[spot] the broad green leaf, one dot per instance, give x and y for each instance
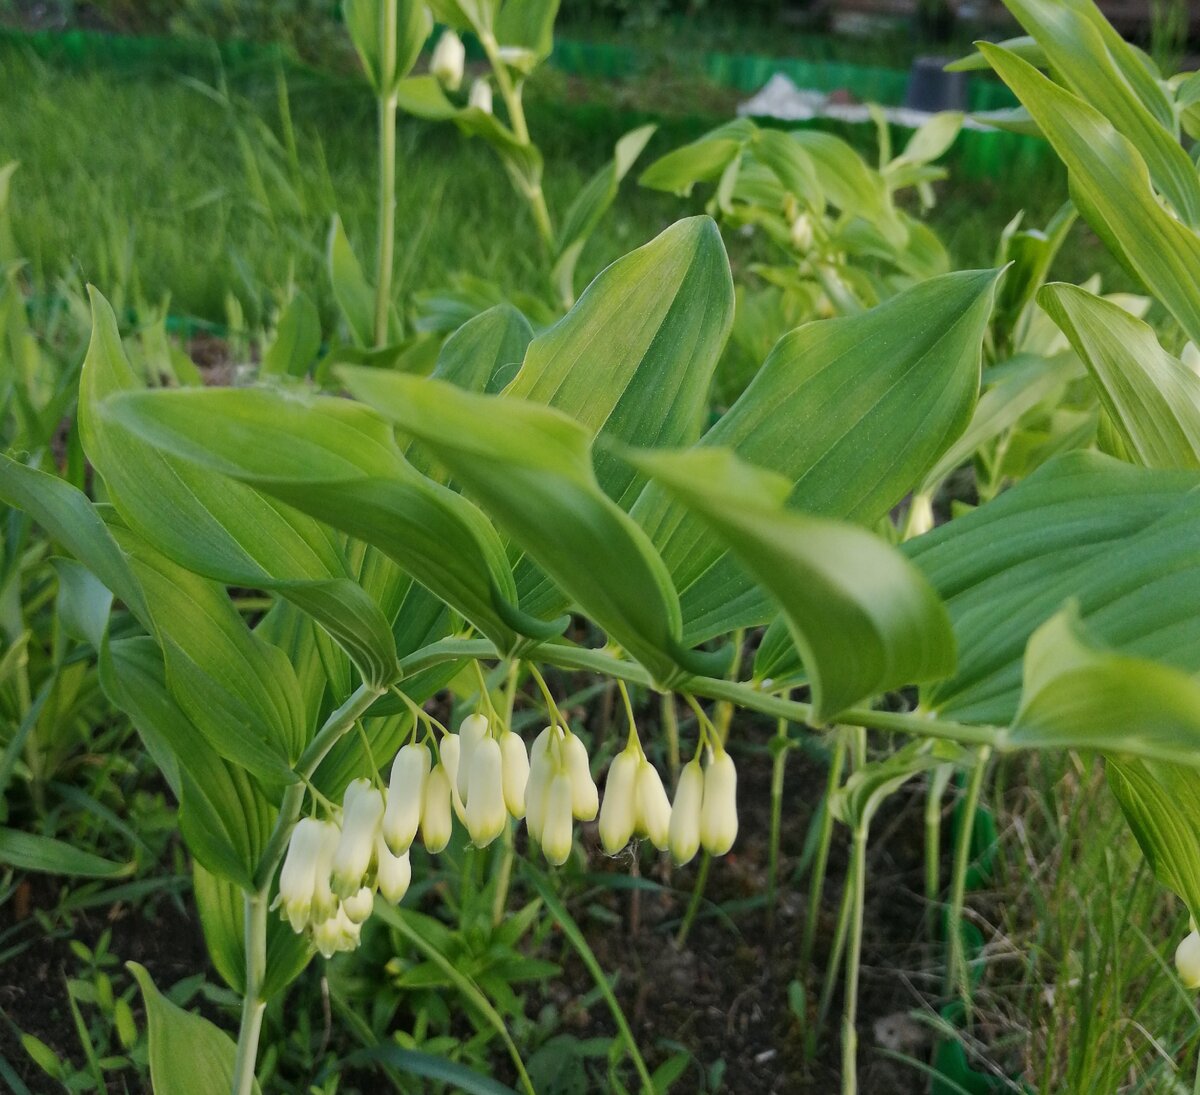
(1120, 540)
(188, 1055)
(1028, 382)
(528, 25)
(339, 462)
(858, 800)
(1161, 802)
(355, 295)
(1111, 184)
(384, 63)
(1076, 696)
(701, 161)
(1030, 253)
(791, 165)
(8, 246)
(83, 603)
(223, 816)
(852, 412)
(849, 183)
(484, 352)
(297, 339)
(590, 205)
(222, 530)
(633, 359)
(1079, 55)
(863, 617)
(931, 140)
(33, 852)
(240, 691)
(530, 467)
(1152, 398)
(423, 97)
(1023, 46)
(476, 15)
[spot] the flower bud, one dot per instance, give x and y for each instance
(393, 873)
(537, 787)
(362, 814)
(585, 799)
(684, 835)
(718, 814)
(436, 822)
(556, 831)
(515, 762)
(358, 906)
(473, 730)
(618, 811)
(802, 233)
(1187, 961)
(449, 57)
(920, 515)
(336, 933)
(297, 879)
(402, 816)
(481, 95)
(486, 813)
(653, 806)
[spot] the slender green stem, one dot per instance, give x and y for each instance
(778, 769)
(956, 967)
(816, 882)
(933, 840)
(741, 694)
(253, 1004)
(694, 903)
(386, 226)
(858, 892)
(529, 185)
(670, 722)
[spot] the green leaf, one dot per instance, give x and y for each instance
(1086, 61)
(339, 463)
(528, 25)
(849, 183)
(866, 789)
(1161, 802)
(355, 295)
(188, 1055)
(531, 469)
(1024, 47)
(1076, 696)
(412, 1063)
(484, 352)
(701, 161)
(297, 339)
(83, 602)
(590, 205)
(833, 409)
(384, 67)
(224, 817)
(864, 618)
(1111, 185)
(1152, 398)
(224, 531)
(240, 691)
(1121, 540)
(33, 852)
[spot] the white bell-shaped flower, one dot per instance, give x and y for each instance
(297, 879)
(362, 816)
(436, 821)
(481, 95)
(324, 902)
(1187, 961)
(537, 788)
(486, 812)
(653, 806)
(718, 814)
(448, 60)
(585, 799)
(393, 873)
(684, 834)
(515, 763)
(336, 933)
(451, 753)
(618, 811)
(406, 789)
(473, 730)
(802, 233)
(358, 906)
(557, 833)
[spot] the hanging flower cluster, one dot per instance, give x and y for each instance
(483, 776)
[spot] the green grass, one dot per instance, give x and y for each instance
(150, 184)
